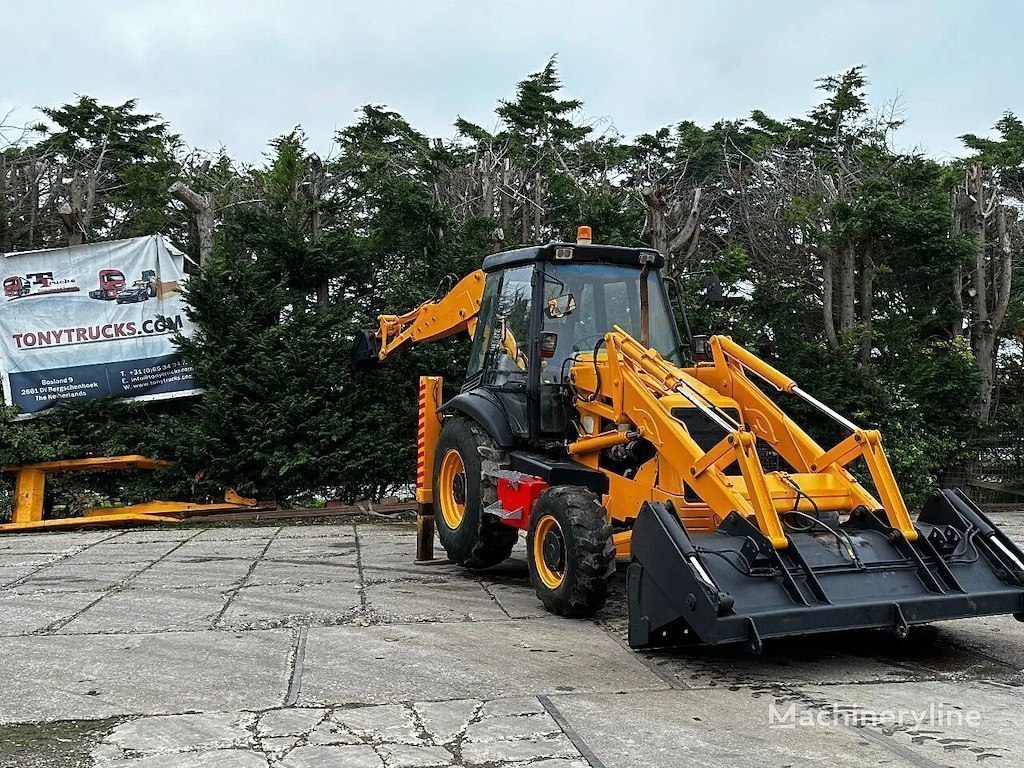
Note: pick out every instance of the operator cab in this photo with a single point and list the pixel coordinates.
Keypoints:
(542, 307)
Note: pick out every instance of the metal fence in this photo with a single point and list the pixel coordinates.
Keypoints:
(994, 477)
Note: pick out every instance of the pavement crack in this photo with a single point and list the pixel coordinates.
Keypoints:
(232, 593)
(491, 595)
(128, 579)
(298, 658)
(60, 559)
(62, 622)
(455, 745)
(359, 569)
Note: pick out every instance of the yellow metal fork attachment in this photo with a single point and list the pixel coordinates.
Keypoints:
(30, 487)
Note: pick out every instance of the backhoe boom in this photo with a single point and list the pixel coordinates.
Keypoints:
(432, 320)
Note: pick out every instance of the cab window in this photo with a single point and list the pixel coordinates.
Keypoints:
(508, 337)
(485, 325)
(604, 296)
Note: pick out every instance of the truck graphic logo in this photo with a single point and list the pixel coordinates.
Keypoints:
(18, 286)
(15, 286)
(111, 283)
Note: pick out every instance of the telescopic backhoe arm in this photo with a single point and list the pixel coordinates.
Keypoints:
(432, 320)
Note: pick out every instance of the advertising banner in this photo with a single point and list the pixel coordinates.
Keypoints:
(93, 321)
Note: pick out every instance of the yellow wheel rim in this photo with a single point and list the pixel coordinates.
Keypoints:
(452, 490)
(549, 552)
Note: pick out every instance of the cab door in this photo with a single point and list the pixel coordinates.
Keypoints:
(501, 356)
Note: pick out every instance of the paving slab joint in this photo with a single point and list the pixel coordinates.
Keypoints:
(570, 732)
(54, 626)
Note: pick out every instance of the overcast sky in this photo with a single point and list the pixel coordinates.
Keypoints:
(237, 72)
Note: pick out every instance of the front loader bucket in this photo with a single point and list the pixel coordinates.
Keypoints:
(732, 586)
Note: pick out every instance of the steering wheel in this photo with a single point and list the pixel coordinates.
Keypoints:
(577, 345)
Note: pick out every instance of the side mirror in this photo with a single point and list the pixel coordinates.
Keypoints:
(702, 349)
(560, 306)
(548, 345)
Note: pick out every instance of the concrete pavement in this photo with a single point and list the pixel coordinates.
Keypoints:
(323, 645)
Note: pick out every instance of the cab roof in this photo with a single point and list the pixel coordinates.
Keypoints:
(601, 254)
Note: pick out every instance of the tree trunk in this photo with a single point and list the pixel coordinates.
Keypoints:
(983, 334)
(72, 211)
(686, 239)
(958, 273)
(202, 212)
(323, 291)
(487, 186)
(538, 206)
(867, 300)
(5, 222)
(976, 193)
(987, 344)
(33, 207)
(847, 287)
(1002, 270)
(504, 203)
(524, 207)
(827, 290)
(659, 227)
(984, 352)
(991, 278)
(656, 225)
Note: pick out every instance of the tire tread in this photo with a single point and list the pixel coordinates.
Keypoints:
(585, 591)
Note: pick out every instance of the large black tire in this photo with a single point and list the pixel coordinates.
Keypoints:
(471, 537)
(570, 551)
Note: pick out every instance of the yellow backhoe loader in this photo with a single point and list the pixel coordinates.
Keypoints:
(587, 422)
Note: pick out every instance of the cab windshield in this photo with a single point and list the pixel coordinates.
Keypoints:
(604, 296)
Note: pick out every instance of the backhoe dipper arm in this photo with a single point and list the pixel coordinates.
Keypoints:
(432, 320)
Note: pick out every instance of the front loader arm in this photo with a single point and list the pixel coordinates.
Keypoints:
(635, 385)
(432, 320)
(755, 570)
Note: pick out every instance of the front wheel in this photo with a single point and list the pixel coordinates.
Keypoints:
(570, 551)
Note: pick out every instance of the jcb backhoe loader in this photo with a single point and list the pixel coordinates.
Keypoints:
(581, 423)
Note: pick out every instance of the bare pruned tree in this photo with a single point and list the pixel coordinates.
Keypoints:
(981, 211)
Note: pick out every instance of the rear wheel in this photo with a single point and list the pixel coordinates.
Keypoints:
(570, 551)
(470, 536)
